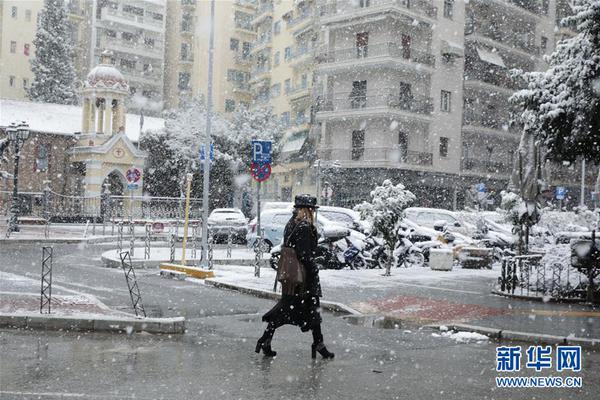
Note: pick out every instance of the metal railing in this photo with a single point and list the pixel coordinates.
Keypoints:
(527, 275)
(390, 98)
(486, 119)
(524, 41)
(395, 155)
(341, 7)
(479, 72)
(497, 167)
(303, 16)
(375, 50)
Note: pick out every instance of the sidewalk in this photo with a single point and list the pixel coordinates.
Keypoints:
(421, 297)
(20, 308)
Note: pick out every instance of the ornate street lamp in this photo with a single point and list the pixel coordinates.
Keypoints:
(17, 134)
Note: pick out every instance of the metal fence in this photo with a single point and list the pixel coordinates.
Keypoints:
(60, 208)
(526, 275)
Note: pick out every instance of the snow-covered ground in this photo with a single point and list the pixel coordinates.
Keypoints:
(164, 253)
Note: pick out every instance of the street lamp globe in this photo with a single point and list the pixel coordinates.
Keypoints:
(23, 131)
(12, 132)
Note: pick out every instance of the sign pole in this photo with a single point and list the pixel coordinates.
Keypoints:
(188, 189)
(209, 97)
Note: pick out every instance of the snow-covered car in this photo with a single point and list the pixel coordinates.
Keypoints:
(429, 217)
(273, 223)
(344, 216)
(223, 221)
(275, 205)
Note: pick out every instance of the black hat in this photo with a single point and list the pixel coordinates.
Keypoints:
(305, 200)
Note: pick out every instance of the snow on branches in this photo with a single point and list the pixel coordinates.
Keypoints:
(560, 106)
(385, 211)
(52, 66)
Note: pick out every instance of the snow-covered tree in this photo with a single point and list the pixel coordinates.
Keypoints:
(52, 66)
(561, 106)
(3, 145)
(385, 211)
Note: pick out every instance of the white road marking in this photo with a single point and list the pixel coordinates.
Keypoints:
(65, 395)
(439, 288)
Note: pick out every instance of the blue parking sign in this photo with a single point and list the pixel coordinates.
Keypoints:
(261, 151)
(560, 192)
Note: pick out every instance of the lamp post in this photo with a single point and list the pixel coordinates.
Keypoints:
(17, 134)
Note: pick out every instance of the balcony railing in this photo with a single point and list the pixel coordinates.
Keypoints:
(376, 50)
(524, 41)
(264, 7)
(393, 155)
(491, 166)
(241, 86)
(299, 89)
(391, 98)
(261, 69)
(486, 119)
(262, 40)
(133, 17)
(497, 78)
(342, 7)
(303, 16)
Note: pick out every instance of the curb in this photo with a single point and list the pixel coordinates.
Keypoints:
(94, 323)
(150, 264)
(537, 298)
(499, 334)
(331, 306)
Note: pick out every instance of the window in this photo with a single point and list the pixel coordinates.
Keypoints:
(405, 96)
(288, 53)
(157, 16)
(188, 2)
(27, 15)
(185, 52)
(445, 101)
(26, 49)
(243, 20)
(277, 28)
(41, 158)
(133, 10)
(285, 118)
(147, 68)
(358, 145)
(233, 75)
(300, 117)
(402, 146)
(444, 146)
(13, 12)
(364, 3)
(448, 8)
(276, 58)
(11, 81)
(128, 36)
(229, 105)
(149, 42)
(246, 46)
(25, 83)
(544, 44)
(110, 33)
(362, 44)
(187, 22)
(13, 47)
(304, 81)
(275, 90)
(234, 44)
(406, 43)
(129, 64)
(287, 86)
(358, 96)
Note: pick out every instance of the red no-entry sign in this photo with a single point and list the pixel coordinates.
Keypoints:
(260, 172)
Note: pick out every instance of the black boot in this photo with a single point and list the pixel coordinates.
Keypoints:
(320, 347)
(265, 346)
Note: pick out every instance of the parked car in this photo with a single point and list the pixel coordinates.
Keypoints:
(222, 221)
(344, 216)
(273, 224)
(430, 217)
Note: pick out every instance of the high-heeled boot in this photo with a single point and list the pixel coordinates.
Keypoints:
(264, 344)
(320, 347)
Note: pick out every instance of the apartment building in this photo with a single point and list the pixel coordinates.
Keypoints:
(418, 90)
(282, 78)
(187, 37)
(18, 23)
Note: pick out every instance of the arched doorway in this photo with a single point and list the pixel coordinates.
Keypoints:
(114, 184)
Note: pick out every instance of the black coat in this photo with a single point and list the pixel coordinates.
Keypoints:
(302, 237)
(301, 309)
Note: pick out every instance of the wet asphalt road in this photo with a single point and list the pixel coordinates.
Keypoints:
(215, 358)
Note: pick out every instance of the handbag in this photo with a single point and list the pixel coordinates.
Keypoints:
(290, 272)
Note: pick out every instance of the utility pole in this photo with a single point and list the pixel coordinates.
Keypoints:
(582, 201)
(209, 104)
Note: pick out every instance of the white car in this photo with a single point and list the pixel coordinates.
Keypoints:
(429, 217)
(222, 221)
(344, 216)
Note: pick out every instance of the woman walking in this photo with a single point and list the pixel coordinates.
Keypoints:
(302, 307)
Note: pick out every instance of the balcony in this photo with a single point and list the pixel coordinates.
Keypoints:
(260, 73)
(375, 55)
(139, 21)
(509, 37)
(131, 47)
(476, 76)
(302, 55)
(344, 10)
(246, 4)
(262, 42)
(304, 18)
(242, 88)
(486, 166)
(344, 105)
(388, 156)
(242, 59)
(488, 120)
(299, 92)
(264, 11)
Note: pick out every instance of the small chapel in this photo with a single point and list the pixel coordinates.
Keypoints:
(77, 150)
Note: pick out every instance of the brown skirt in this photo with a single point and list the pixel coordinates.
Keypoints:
(302, 311)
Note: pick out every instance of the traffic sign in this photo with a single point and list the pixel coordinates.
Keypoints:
(261, 151)
(260, 172)
(560, 192)
(158, 227)
(212, 152)
(133, 175)
(132, 186)
(481, 188)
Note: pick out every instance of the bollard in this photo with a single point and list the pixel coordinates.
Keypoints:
(195, 237)
(46, 290)
(210, 250)
(258, 250)
(132, 238)
(172, 246)
(47, 229)
(229, 243)
(119, 237)
(147, 242)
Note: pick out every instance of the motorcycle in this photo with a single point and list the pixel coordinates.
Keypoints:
(328, 255)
